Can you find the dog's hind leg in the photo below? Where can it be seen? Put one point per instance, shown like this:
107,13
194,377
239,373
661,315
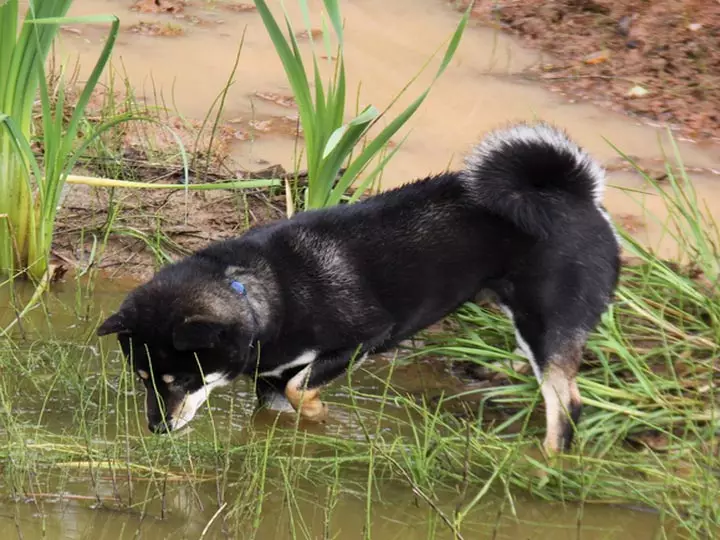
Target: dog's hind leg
555,357
563,404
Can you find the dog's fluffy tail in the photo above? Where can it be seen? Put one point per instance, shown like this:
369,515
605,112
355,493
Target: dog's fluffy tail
532,175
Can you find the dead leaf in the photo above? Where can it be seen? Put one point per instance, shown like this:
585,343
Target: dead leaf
165,6
597,57
261,125
155,29
283,101
239,8
653,440
312,34
630,222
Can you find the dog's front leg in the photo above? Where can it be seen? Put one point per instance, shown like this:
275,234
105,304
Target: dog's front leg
271,396
303,389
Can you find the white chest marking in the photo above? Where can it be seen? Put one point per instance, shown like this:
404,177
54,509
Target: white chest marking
192,402
303,360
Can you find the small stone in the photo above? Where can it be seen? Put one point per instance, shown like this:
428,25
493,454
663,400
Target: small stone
637,91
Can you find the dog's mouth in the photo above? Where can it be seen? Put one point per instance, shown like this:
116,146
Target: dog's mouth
187,409
181,410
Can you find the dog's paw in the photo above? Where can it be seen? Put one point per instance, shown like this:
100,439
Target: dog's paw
315,411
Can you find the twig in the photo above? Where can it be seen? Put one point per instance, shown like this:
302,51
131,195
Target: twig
212,519
70,497
572,77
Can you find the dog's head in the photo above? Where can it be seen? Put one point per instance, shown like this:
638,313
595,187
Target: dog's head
189,330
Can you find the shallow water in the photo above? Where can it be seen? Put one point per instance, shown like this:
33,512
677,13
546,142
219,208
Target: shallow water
76,504
387,43
398,518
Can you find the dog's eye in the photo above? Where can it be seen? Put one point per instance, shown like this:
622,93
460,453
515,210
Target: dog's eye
143,374
168,379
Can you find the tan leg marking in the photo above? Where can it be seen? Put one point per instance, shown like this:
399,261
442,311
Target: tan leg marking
556,393
560,392
306,401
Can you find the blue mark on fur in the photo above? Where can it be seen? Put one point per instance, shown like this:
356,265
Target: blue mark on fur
238,287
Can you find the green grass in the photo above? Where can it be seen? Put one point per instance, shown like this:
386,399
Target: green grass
29,195
73,423
338,152
32,182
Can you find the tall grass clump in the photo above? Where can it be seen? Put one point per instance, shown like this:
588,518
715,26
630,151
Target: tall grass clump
331,143
31,185
29,193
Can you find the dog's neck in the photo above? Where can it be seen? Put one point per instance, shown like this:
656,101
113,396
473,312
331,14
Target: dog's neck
260,297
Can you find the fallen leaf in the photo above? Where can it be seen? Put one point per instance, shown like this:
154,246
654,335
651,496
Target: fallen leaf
239,8
597,57
261,125
155,29
312,34
164,6
653,440
283,101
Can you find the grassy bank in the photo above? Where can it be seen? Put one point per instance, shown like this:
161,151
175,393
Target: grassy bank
74,428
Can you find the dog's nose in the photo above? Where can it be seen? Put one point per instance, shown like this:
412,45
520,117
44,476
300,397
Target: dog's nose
158,427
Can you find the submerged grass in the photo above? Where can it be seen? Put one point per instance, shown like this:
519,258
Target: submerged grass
73,426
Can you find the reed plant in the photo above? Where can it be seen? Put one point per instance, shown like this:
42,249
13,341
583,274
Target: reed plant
29,191
337,151
36,161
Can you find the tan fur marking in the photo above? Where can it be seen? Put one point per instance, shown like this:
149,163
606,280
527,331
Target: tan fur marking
306,401
556,393
559,389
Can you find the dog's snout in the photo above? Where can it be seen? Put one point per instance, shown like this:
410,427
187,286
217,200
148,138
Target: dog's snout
159,427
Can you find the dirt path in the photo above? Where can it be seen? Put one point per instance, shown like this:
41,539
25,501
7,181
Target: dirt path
659,60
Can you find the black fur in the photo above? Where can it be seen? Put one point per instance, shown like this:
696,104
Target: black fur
523,220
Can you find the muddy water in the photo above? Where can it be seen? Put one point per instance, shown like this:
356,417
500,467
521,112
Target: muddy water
387,44
66,504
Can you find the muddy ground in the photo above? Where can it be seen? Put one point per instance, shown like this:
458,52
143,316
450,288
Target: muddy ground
659,60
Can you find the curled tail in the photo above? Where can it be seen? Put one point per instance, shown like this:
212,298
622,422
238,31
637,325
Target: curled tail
531,175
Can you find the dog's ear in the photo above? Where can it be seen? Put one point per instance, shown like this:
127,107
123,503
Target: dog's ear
114,324
196,333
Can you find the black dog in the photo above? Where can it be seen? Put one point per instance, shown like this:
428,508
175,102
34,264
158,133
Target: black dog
293,302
